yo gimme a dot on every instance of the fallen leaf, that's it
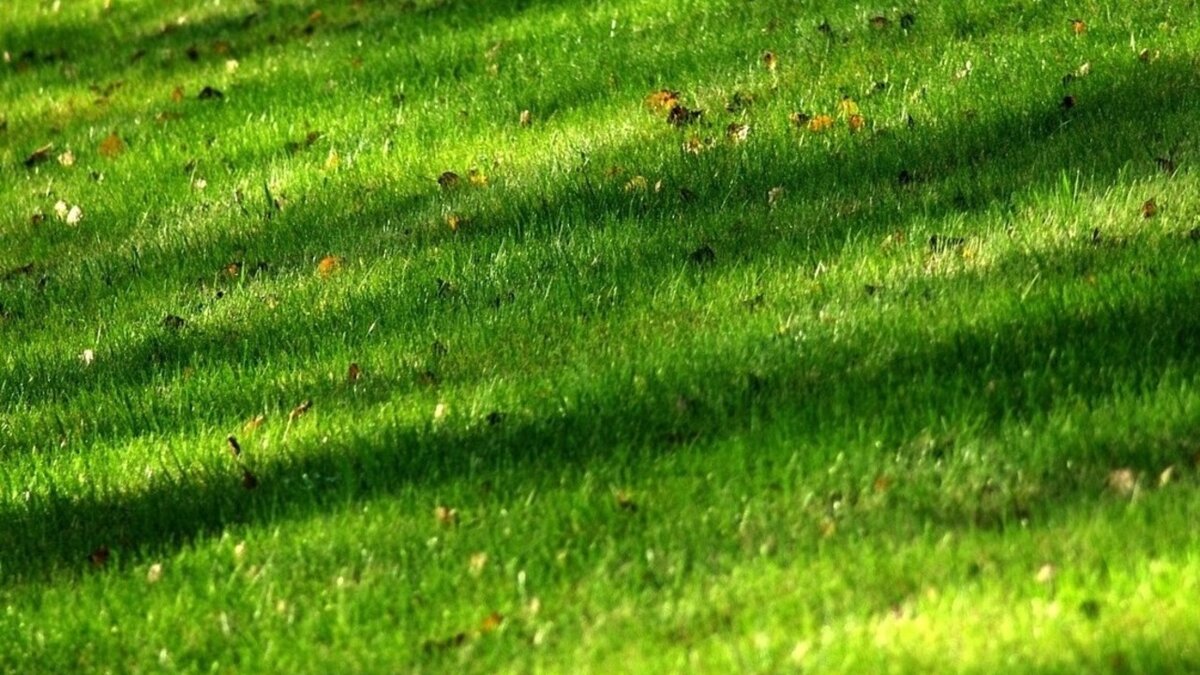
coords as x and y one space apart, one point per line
328 266
254 423
774 195
354 373
445 515
38 156
448 179
637 184
663 99
856 123
848 107
1123 482
799 119
300 410
526 118
235 448
1046 574
476 178
67 158
737 132
455 221
99 556
61 208
231 66
88 356
879 22
154 574
681 116
332 160
74 216
820 123
1079 26
1149 208
491 622
769 61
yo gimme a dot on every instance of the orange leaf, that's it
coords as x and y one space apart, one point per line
328 265
491 623
856 122
820 123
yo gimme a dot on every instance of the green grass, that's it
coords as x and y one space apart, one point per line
893 400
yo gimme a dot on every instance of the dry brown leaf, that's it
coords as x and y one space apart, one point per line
477 178
300 410
491 622
38 156
354 373
235 448
448 179
737 132
254 423
99 556
682 116
112 146
1149 208
770 61
1079 26
856 123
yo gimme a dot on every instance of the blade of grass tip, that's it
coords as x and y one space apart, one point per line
1029 286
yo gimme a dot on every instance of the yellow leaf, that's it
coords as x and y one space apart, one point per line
848 106
663 99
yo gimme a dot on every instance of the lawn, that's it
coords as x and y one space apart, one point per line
599 336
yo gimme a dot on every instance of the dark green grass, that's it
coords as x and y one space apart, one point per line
882 426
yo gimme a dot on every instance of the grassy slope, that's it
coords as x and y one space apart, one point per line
829 447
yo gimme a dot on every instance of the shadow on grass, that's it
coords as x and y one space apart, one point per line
980 373
833 195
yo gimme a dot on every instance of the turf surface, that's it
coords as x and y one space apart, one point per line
887 361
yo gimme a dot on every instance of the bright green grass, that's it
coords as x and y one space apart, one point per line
831 447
